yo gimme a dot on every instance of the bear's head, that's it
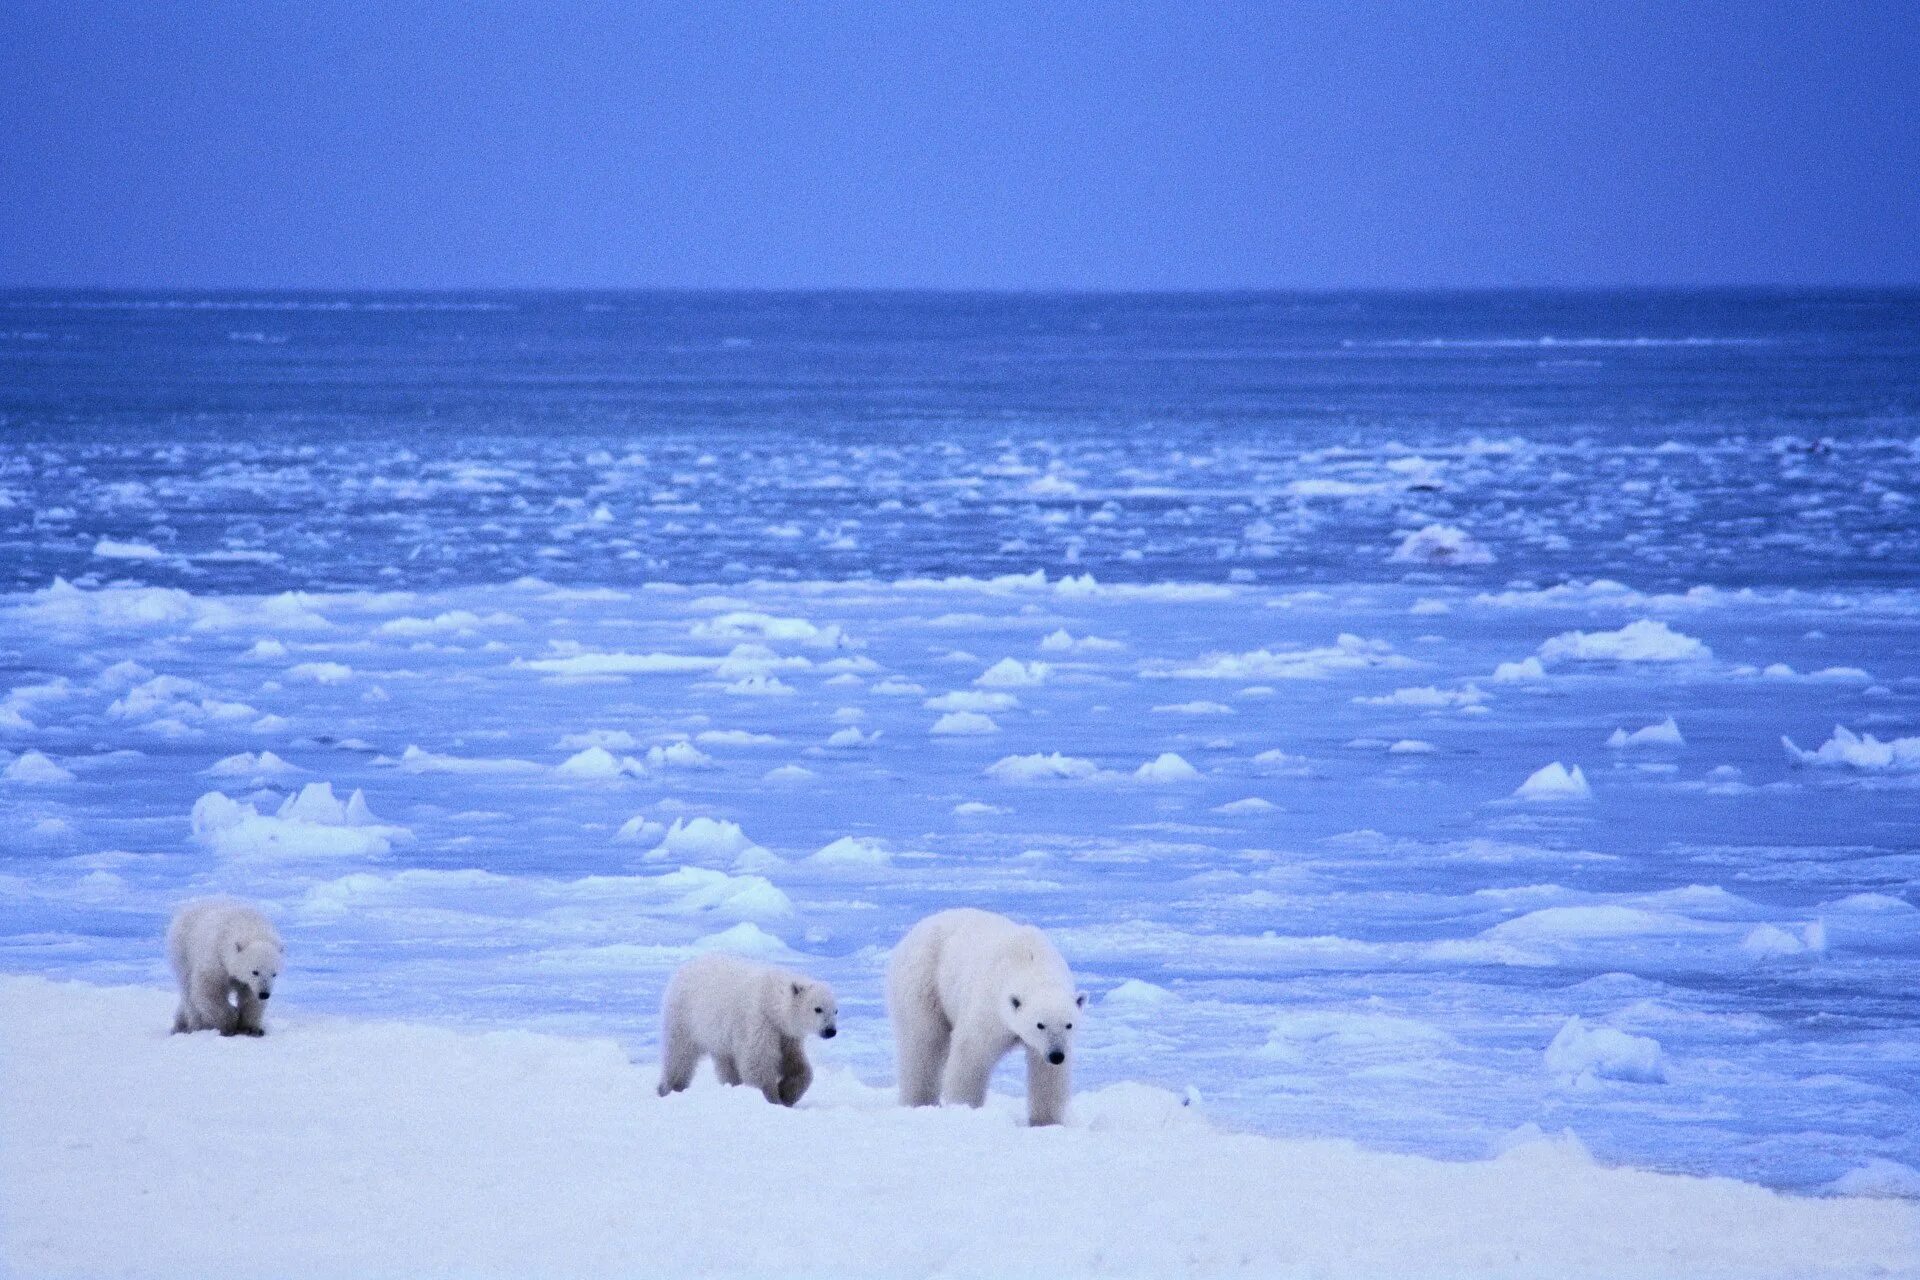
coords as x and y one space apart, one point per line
1043 1018
812 1010
253 963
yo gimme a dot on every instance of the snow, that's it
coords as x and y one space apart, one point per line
1555 782
1581 1055
515 1153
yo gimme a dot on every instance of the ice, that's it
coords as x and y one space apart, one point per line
1555 782
1643 641
851 851
706 839
112 549
34 769
1580 1055
1042 767
961 724
1011 673
250 764
320 672
598 763
1167 767
1860 751
1441 544
312 824
1664 734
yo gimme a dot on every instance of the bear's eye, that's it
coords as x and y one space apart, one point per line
1041 1025
818 1009
1069 1026
256 973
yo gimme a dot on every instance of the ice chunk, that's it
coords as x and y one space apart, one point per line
852 851
708 839
1042 768
34 769
1011 673
1579 1055
1441 544
1642 641
1167 767
961 724
1555 782
1849 750
1664 734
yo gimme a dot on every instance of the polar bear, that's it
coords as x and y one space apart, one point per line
965 986
752 1019
227 958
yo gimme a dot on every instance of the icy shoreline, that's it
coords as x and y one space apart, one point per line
347 1147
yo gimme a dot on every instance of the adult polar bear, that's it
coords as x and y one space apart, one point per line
965 986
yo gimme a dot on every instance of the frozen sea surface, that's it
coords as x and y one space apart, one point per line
1416 718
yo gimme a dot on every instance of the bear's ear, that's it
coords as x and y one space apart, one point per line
239 945
796 988
1080 1000
1016 1001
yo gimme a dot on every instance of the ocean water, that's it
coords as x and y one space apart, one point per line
1234 638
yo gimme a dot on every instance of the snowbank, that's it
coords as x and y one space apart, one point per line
123 1151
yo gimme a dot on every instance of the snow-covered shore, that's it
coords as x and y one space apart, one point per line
340 1147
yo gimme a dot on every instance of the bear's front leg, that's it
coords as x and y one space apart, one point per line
796 1074
1048 1088
761 1070
970 1064
248 1017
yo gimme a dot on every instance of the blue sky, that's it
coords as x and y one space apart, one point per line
792 144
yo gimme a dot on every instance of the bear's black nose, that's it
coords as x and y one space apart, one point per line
266 995
1056 1057
829 1033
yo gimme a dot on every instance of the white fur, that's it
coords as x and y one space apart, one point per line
751 1019
963 988
226 956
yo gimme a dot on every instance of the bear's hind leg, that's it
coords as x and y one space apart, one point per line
677 1064
726 1068
922 1040
796 1074
970 1067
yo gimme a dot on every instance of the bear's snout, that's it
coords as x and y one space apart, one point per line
828 1033
266 994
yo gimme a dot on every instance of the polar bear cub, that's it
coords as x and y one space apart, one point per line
226 956
751 1019
964 987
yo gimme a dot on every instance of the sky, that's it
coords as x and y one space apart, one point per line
789 144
